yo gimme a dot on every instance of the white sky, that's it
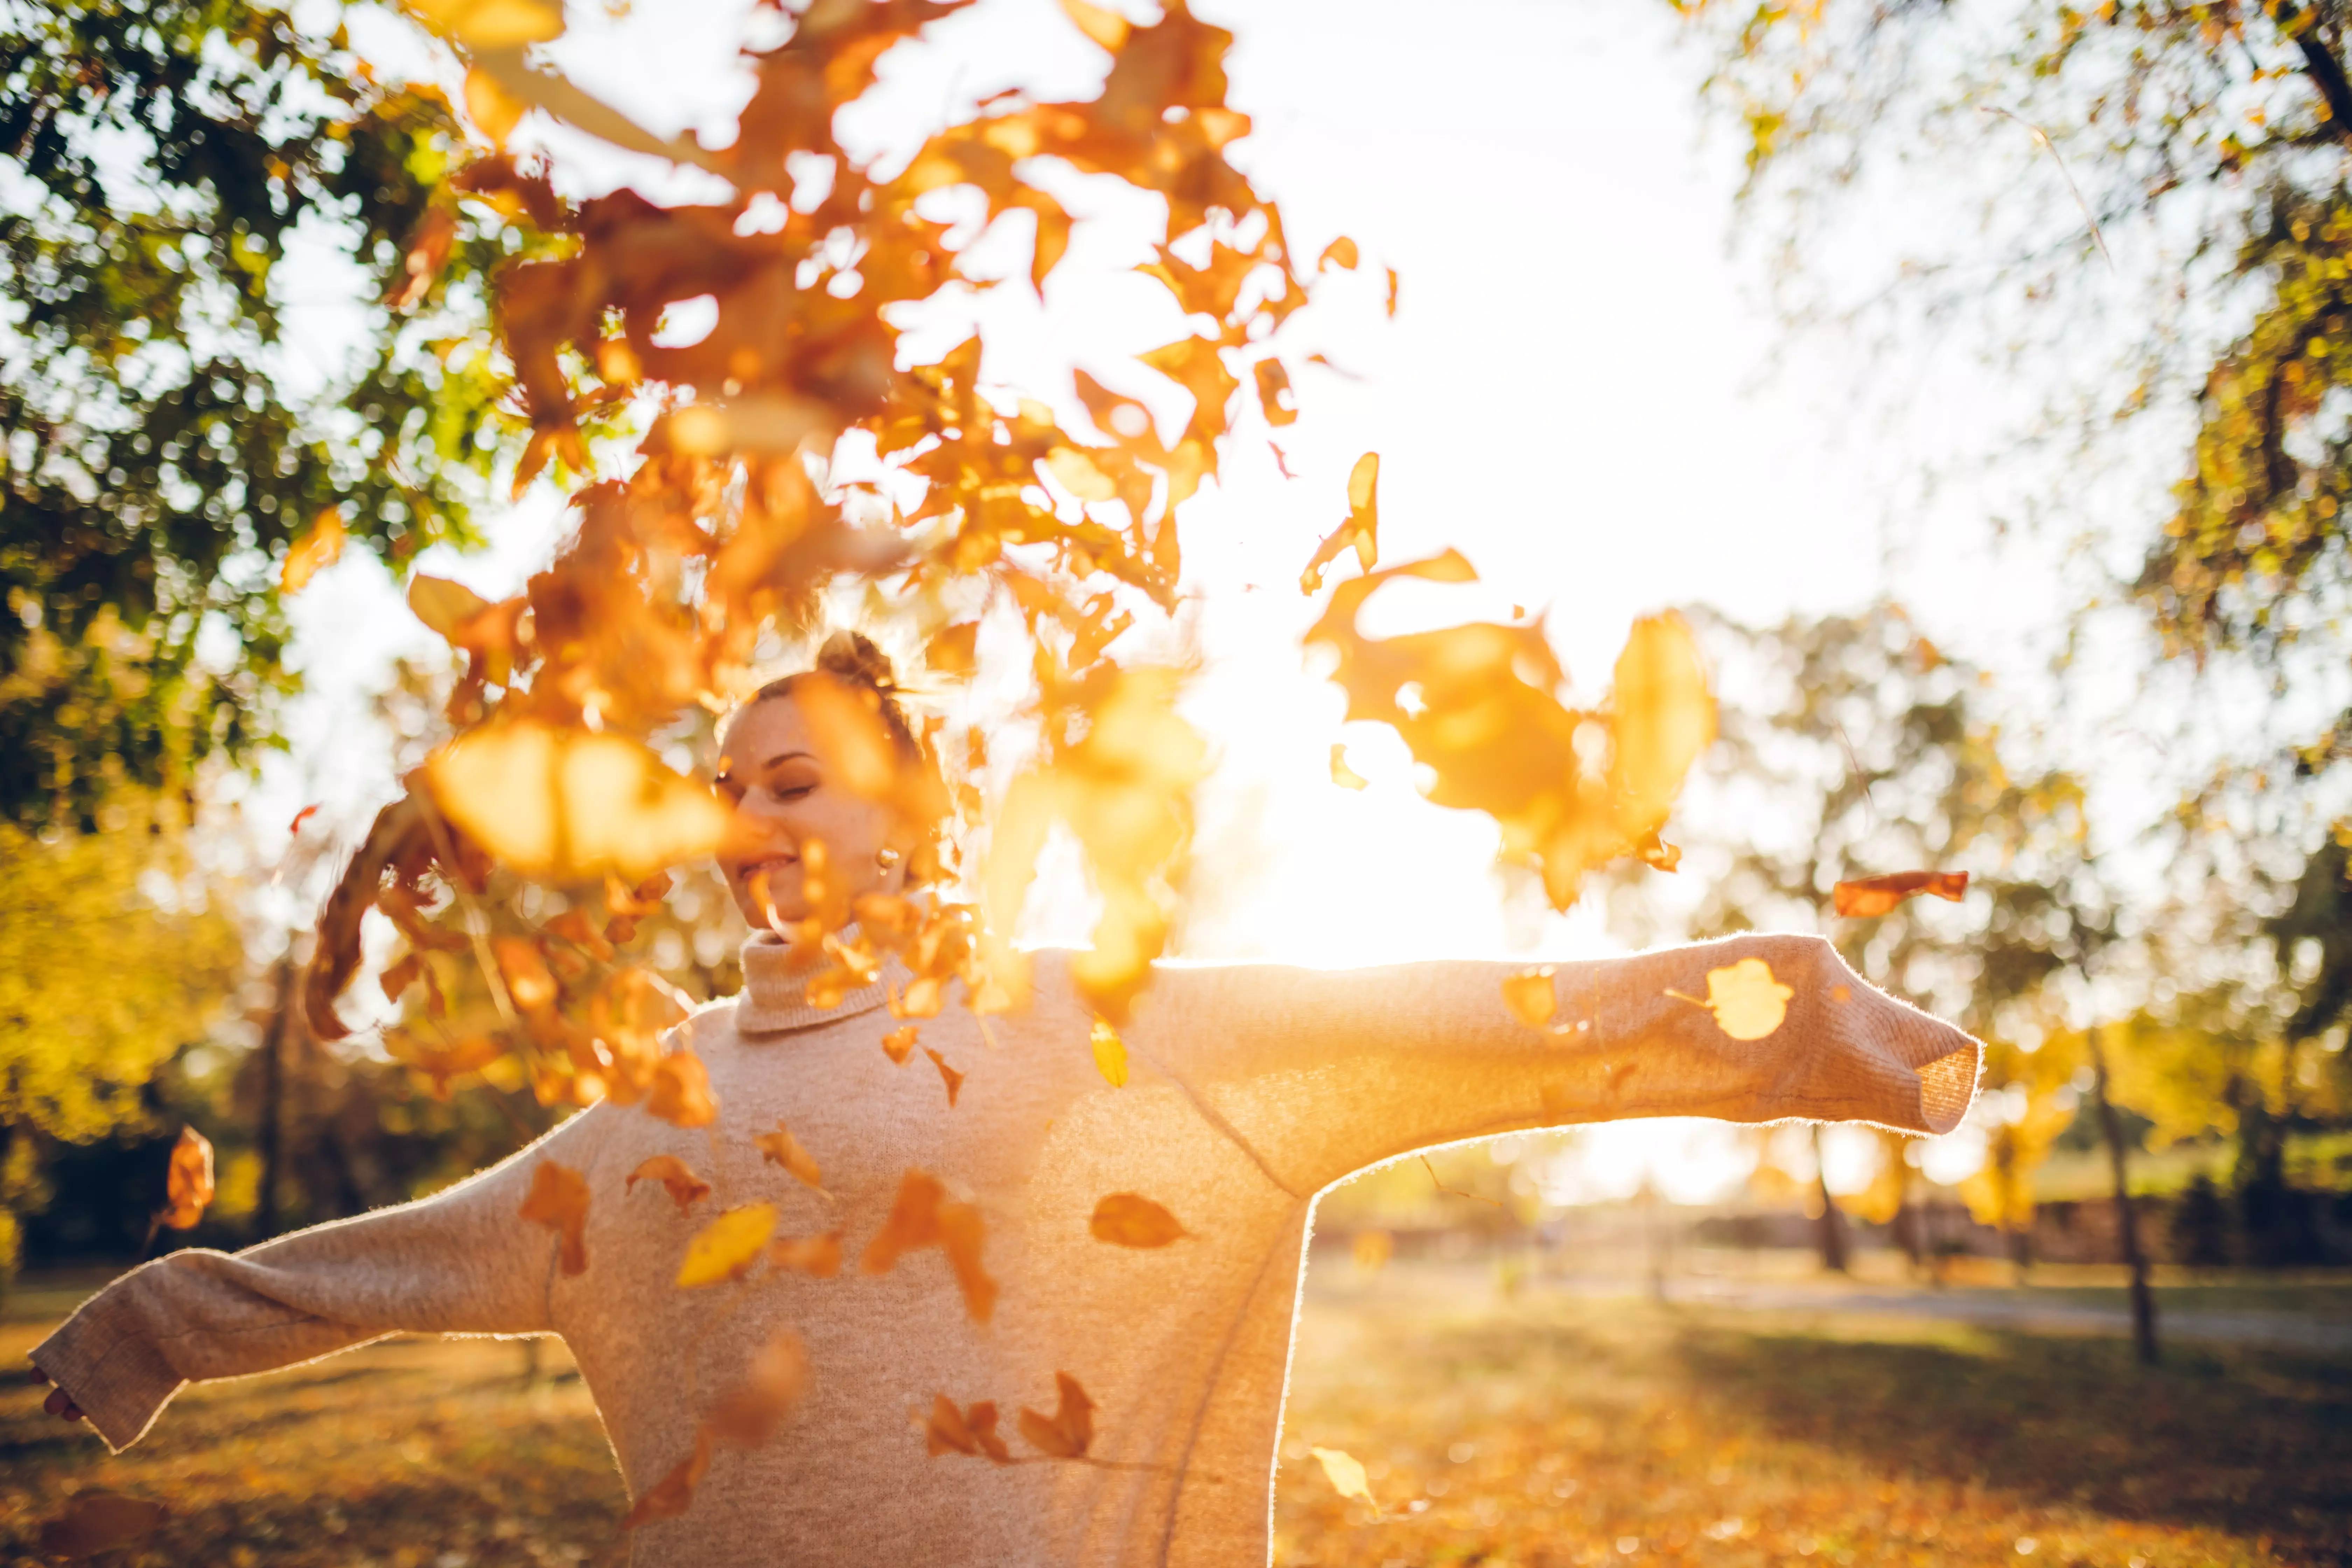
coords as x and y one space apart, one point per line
1572 393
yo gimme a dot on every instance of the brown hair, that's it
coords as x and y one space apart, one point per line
852 658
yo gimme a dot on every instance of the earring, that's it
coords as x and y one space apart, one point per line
886 857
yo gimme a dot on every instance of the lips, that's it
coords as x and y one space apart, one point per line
766 866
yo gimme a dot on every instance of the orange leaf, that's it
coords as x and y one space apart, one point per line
1105 28
1071 1430
953 1431
1361 530
924 1216
525 971
1129 1219
313 552
816 1255
1341 253
441 1064
674 1493
1392 293
188 1184
780 1147
1867 896
727 1247
748 1415
948 1075
558 1199
301 817
1273 392
899 1045
1530 998
685 1187
680 1093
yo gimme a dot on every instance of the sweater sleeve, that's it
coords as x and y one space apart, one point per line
461 1261
1320 1073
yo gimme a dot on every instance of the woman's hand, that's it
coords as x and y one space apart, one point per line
59 1403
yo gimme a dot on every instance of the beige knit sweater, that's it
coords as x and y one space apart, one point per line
1252 1088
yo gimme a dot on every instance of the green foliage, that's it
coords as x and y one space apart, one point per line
158 164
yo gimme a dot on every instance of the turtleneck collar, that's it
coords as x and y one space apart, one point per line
774 1000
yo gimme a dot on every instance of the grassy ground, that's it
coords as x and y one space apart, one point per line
1541 1428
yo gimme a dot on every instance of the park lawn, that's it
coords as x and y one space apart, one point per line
1535 1428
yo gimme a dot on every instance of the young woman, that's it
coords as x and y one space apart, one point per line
1252 1088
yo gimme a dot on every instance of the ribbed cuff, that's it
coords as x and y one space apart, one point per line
113 1370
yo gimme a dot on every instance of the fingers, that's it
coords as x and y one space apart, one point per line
61 1407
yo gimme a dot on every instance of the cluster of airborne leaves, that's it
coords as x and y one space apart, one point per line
728 523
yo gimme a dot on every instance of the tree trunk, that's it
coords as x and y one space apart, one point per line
273 1100
2143 1303
1833 1226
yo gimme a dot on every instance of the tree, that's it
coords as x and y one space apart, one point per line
163 434
114 956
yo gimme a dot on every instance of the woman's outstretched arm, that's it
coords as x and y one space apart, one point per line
461 1261
1323 1072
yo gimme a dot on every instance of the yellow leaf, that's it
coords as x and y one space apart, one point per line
1129 1219
1530 998
1110 1055
1346 1475
443 605
1079 476
568 805
1748 1000
313 552
491 23
1664 719
1107 28
1342 774
493 110
728 1247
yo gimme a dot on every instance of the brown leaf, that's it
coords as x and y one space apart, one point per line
1071 1430
428 249
924 1216
816 1255
1129 1219
948 1075
674 1493
558 1199
1865 897
686 1188
748 1415
98 1521
313 552
953 1431
680 1092
899 1045
780 1147
188 1184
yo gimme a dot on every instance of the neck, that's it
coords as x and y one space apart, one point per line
775 987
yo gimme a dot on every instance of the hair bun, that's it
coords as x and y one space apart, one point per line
854 657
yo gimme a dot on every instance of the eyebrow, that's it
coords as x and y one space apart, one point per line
726 770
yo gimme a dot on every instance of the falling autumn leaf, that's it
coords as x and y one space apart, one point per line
1345 1475
313 552
1342 774
780 1147
1111 1054
680 1091
748 1415
96 1521
301 817
1070 1431
1361 532
899 1045
818 1256
1865 897
924 1216
948 1075
188 1182
440 1063
1530 998
1129 1219
728 1245
674 1493
685 1187
1339 253
953 1431
1748 1000
558 1199
572 805
1392 293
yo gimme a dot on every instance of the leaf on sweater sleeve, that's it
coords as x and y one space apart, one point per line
949 1430
188 1183
728 1247
680 1094
924 1216
1865 897
1070 1430
674 1493
1747 998
558 1199
1130 1219
1530 996
948 1075
780 1147
685 1187
748 1415
819 1256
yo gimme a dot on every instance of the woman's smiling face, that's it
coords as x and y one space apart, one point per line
783 796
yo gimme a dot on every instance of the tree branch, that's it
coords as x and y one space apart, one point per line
2326 72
